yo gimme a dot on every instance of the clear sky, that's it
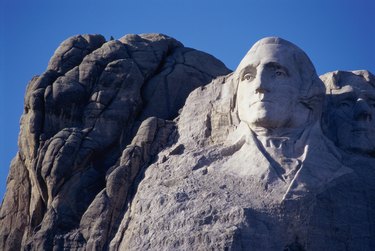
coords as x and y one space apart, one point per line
336 34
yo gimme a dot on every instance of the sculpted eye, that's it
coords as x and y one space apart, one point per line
280 72
248 77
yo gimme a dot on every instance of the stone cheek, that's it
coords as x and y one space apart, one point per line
262 187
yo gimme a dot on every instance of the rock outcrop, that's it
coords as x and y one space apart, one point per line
269 157
92 122
235 181
242 183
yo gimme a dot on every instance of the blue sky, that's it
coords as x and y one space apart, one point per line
336 34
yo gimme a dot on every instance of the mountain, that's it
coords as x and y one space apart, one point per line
143 144
79 132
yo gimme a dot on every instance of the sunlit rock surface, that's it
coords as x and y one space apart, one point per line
269 157
92 122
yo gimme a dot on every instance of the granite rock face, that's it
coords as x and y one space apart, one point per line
242 177
269 157
92 122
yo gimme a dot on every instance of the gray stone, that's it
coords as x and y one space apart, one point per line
349 117
254 179
86 131
269 157
100 221
71 52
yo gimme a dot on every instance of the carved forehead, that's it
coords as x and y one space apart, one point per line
269 53
277 50
311 85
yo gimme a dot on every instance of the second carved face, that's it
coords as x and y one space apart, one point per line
349 116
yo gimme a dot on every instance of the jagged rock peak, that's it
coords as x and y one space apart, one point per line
143 144
92 123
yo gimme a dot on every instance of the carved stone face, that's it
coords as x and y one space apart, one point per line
351 114
268 90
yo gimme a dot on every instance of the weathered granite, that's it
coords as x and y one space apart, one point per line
81 143
256 179
349 119
269 157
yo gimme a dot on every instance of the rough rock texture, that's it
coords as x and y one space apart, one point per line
220 187
92 122
269 157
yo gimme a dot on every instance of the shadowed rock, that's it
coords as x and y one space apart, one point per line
78 140
349 117
256 171
265 158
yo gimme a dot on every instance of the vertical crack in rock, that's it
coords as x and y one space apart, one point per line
143 144
215 187
90 127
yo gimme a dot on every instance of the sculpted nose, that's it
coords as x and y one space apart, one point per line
362 111
260 83
261 90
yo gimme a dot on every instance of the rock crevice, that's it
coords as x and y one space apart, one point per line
86 130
